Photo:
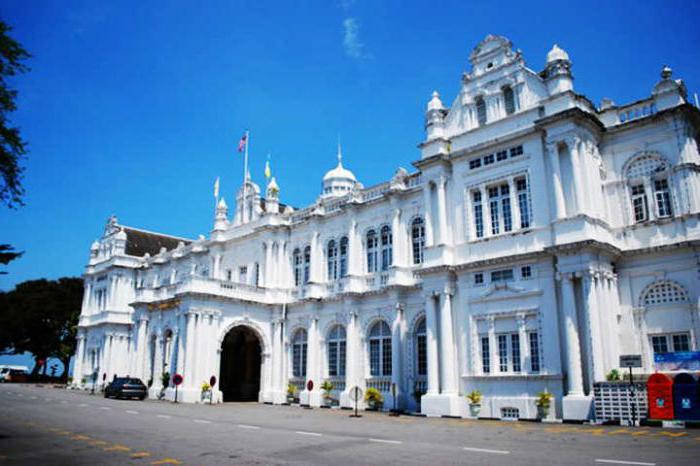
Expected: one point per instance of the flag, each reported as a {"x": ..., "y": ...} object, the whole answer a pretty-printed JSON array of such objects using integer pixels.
[
  {"x": 268, "y": 173},
  {"x": 216, "y": 188},
  {"x": 242, "y": 143}
]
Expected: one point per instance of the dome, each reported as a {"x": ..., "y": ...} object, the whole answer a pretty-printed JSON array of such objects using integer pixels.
[
  {"x": 121, "y": 235},
  {"x": 339, "y": 173},
  {"x": 435, "y": 103},
  {"x": 339, "y": 181},
  {"x": 557, "y": 53}
]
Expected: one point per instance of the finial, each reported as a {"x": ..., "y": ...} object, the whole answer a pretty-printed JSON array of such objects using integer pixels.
[
  {"x": 436, "y": 95},
  {"x": 666, "y": 72},
  {"x": 340, "y": 153}
]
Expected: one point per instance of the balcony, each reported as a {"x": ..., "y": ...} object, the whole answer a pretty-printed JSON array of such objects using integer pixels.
[
  {"x": 210, "y": 286},
  {"x": 106, "y": 317},
  {"x": 383, "y": 384}
]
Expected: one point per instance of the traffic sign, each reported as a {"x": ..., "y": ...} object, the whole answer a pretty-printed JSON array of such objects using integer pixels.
[
  {"x": 177, "y": 379},
  {"x": 212, "y": 380},
  {"x": 355, "y": 393},
  {"x": 310, "y": 385},
  {"x": 631, "y": 360}
]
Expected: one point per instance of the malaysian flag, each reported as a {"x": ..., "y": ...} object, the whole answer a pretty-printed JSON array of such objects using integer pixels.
[{"x": 242, "y": 143}]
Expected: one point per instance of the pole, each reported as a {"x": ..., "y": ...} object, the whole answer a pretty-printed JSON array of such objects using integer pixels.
[
  {"x": 633, "y": 400},
  {"x": 245, "y": 177},
  {"x": 175, "y": 393}
]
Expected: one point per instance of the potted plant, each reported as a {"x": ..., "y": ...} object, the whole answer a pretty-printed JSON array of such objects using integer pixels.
[
  {"x": 474, "y": 398},
  {"x": 543, "y": 402},
  {"x": 374, "y": 398},
  {"x": 613, "y": 376},
  {"x": 417, "y": 395},
  {"x": 291, "y": 393},
  {"x": 206, "y": 392},
  {"x": 327, "y": 387}
]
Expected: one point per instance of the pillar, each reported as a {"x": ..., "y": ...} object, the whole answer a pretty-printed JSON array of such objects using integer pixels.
[
  {"x": 442, "y": 211},
  {"x": 447, "y": 354},
  {"x": 514, "y": 206},
  {"x": 398, "y": 243},
  {"x": 559, "y": 203},
  {"x": 571, "y": 335},
  {"x": 431, "y": 344},
  {"x": 158, "y": 363},
  {"x": 577, "y": 166},
  {"x": 485, "y": 211},
  {"x": 188, "y": 370},
  {"x": 397, "y": 342},
  {"x": 79, "y": 356},
  {"x": 429, "y": 239}
]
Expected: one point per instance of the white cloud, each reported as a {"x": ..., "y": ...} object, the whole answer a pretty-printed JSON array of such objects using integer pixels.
[{"x": 351, "y": 40}]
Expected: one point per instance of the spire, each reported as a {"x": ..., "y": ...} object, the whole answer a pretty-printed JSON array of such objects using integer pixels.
[{"x": 340, "y": 153}]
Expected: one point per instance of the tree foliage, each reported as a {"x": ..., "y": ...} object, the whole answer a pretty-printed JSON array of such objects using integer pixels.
[
  {"x": 41, "y": 317},
  {"x": 12, "y": 146},
  {"x": 7, "y": 255}
]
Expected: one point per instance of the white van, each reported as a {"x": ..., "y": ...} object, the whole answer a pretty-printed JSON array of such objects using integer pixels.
[{"x": 6, "y": 369}]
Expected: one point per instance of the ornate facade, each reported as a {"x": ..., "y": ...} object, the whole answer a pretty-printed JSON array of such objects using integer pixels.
[{"x": 539, "y": 238}]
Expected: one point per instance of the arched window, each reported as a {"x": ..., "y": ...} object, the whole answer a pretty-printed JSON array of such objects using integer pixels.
[
  {"x": 417, "y": 239},
  {"x": 298, "y": 267},
  {"x": 509, "y": 99},
  {"x": 307, "y": 264},
  {"x": 336, "y": 351},
  {"x": 343, "y": 256},
  {"x": 421, "y": 349},
  {"x": 665, "y": 292},
  {"x": 372, "y": 250},
  {"x": 387, "y": 252},
  {"x": 380, "y": 349},
  {"x": 481, "y": 110},
  {"x": 332, "y": 257},
  {"x": 648, "y": 180},
  {"x": 299, "y": 353}
]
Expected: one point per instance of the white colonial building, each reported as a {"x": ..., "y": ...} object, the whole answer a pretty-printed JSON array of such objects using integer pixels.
[{"x": 539, "y": 238}]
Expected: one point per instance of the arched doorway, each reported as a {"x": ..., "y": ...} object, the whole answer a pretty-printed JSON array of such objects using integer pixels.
[{"x": 240, "y": 365}]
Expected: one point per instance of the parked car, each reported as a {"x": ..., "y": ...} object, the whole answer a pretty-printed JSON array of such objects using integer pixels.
[
  {"x": 17, "y": 374},
  {"x": 126, "y": 387}
]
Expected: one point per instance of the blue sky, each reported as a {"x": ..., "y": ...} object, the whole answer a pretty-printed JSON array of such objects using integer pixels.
[{"x": 134, "y": 108}]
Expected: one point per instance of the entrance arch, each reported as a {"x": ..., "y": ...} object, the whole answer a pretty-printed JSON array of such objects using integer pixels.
[{"x": 241, "y": 358}]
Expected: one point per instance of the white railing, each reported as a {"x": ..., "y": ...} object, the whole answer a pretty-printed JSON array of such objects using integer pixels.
[
  {"x": 370, "y": 282},
  {"x": 302, "y": 214},
  {"x": 299, "y": 384},
  {"x": 415, "y": 180},
  {"x": 420, "y": 384},
  {"x": 636, "y": 111},
  {"x": 375, "y": 192},
  {"x": 383, "y": 279},
  {"x": 338, "y": 383},
  {"x": 383, "y": 384}
]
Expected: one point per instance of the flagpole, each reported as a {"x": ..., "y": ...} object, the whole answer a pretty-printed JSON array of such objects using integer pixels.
[{"x": 245, "y": 177}]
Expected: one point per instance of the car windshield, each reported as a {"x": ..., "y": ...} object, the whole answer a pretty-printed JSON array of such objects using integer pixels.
[{"x": 133, "y": 381}]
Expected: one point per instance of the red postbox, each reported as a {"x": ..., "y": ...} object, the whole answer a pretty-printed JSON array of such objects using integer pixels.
[{"x": 660, "y": 396}]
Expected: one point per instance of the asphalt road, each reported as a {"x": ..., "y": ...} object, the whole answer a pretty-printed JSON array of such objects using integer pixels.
[{"x": 47, "y": 426}]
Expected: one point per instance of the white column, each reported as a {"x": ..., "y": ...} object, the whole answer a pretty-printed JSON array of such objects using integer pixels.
[
  {"x": 181, "y": 343},
  {"x": 577, "y": 167},
  {"x": 559, "y": 203},
  {"x": 431, "y": 344},
  {"x": 442, "y": 211},
  {"x": 316, "y": 259},
  {"x": 78, "y": 364},
  {"x": 267, "y": 279},
  {"x": 188, "y": 370},
  {"x": 524, "y": 345},
  {"x": 596, "y": 340},
  {"x": 429, "y": 237},
  {"x": 397, "y": 340},
  {"x": 571, "y": 335},
  {"x": 354, "y": 250},
  {"x": 514, "y": 207},
  {"x": 275, "y": 358},
  {"x": 282, "y": 266},
  {"x": 158, "y": 363},
  {"x": 612, "y": 305},
  {"x": 399, "y": 239},
  {"x": 447, "y": 355}
]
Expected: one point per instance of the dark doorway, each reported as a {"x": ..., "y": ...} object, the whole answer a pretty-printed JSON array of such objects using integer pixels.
[{"x": 240, "y": 365}]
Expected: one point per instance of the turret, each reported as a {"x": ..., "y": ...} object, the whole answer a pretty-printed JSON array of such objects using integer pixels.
[
  {"x": 221, "y": 217},
  {"x": 557, "y": 72},
  {"x": 435, "y": 117},
  {"x": 272, "y": 204}
]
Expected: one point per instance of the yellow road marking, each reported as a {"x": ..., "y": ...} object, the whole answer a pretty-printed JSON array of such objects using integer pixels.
[
  {"x": 640, "y": 432},
  {"x": 618, "y": 431},
  {"x": 673, "y": 434},
  {"x": 98, "y": 442},
  {"x": 64, "y": 432},
  {"x": 80, "y": 437},
  {"x": 598, "y": 431},
  {"x": 117, "y": 448},
  {"x": 167, "y": 461},
  {"x": 54, "y": 429},
  {"x": 141, "y": 454}
]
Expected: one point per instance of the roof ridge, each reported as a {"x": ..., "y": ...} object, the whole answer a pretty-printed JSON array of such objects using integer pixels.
[{"x": 141, "y": 230}]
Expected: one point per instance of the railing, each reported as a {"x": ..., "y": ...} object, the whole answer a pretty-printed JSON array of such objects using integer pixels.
[
  {"x": 415, "y": 180},
  {"x": 371, "y": 281},
  {"x": 636, "y": 111},
  {"x": 302, "y": 214},
  {"x": 383, "y": 279},
  {"x": 420, "y": 384},
  {"x": 194, "y": 284},
  {"x": 383, "y": 384},
  {"x": 299, "y": 384},
  {"x": 375, "y": 192}
]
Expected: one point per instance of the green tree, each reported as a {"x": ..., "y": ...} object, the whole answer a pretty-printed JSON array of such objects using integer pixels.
[
  {"x": 41, "y": 317},
  {"x": 12, "y": 146}
]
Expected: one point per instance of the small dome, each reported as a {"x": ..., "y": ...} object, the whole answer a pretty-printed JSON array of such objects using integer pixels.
[
  {"x": 435, "y": 103},
  {"x": 557, "y": 53},
  {"x": 272, "y": 185},
  {"x": 339, "y": 181},
  {"x": 121, "y": 234},
  {"x": 339, "y": 173},
  {"x": 222, "y": 204}
]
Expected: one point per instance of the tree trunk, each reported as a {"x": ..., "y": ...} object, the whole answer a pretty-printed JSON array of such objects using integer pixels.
[{"x": 66, "y": 366}]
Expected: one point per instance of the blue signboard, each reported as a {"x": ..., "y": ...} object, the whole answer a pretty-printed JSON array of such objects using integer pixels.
[{"x": 679, "y": 361}]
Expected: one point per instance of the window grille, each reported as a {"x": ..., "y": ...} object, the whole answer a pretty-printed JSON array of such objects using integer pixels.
[
  {"x": 336, "y": 351},
  {"x": 421, "y": 349},
  {"x": 418, "y": 239},
  {"x": 663, "y": 293},
  {"x": 380, "y": 349},
  {"x": 299, "y": 349}
]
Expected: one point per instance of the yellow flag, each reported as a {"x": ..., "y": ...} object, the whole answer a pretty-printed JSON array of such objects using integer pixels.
[{"x": 268, "y": 173}]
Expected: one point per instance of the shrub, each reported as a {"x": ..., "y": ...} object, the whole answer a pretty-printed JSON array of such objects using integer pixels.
[
  {"x": 327, "y": 386},
  {"x": 544, "y": 399},
  {"x": 165, "y": 379},
  {"x": 372, "y": 394},
  {"x": 474, "y": 397},
  {"x": 613, "y": 376},
  {"x": 206, "y": 387},
  {"x": 291, "y": 389}
]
